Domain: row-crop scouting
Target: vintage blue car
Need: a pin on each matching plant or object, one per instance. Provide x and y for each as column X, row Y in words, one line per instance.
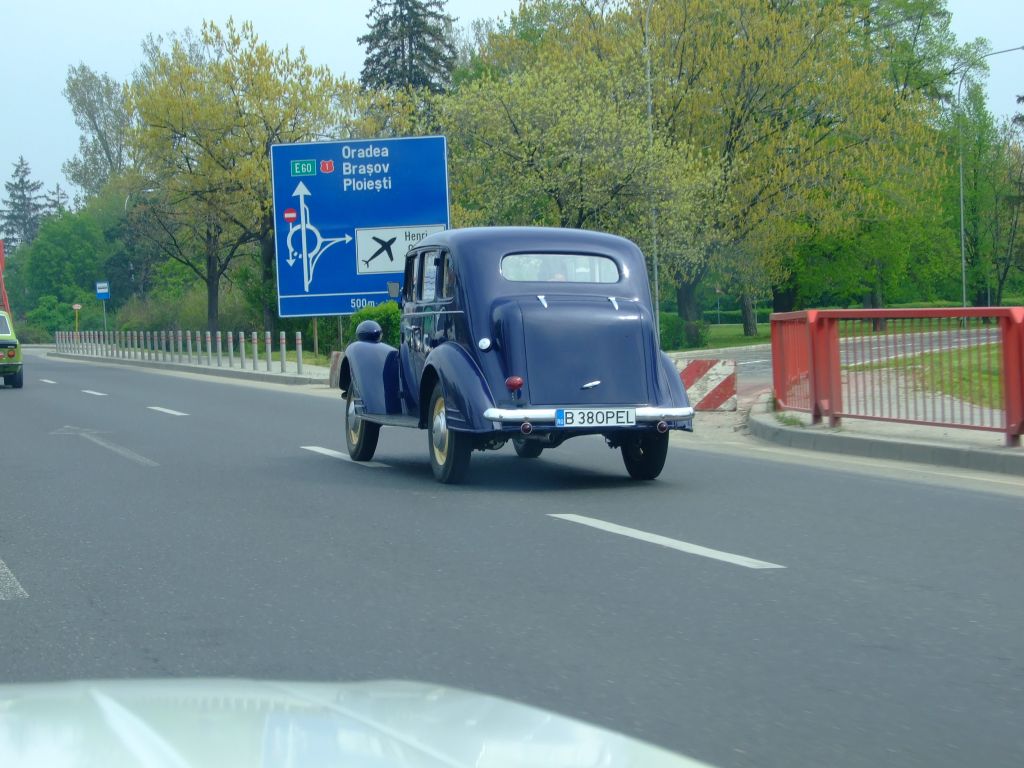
column 526, row 334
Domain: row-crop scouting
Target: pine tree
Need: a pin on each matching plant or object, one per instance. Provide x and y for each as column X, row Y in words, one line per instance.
column 55, row 201
column 22, row 208
column 410, row 45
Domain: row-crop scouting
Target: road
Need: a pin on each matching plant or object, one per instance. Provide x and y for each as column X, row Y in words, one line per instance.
column 881, row 623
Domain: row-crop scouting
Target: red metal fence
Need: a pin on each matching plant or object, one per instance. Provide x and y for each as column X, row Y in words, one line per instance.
column 945, row 367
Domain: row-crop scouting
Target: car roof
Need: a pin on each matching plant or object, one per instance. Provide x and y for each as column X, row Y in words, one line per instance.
column 502, row 240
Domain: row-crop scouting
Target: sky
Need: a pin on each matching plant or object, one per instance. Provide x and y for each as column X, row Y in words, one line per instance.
column 42, row 38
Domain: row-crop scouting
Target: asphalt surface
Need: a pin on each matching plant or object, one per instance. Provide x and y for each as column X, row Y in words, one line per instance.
column 141, row 543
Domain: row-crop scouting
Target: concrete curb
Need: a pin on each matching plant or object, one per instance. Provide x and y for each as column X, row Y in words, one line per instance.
column 764, row 426
column 719, row 351
column 230, row 373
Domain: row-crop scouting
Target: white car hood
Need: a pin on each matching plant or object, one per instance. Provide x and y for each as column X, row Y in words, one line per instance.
column 210, row 722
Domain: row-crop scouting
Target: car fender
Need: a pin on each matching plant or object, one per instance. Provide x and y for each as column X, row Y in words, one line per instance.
column 466, row 393
column 673, row 393
column 374, row 369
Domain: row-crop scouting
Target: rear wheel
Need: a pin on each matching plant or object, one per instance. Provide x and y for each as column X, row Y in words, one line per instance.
column 645, row 456
column 527, row 449
column 449, row 450
column 360, row 435
column 16, row 380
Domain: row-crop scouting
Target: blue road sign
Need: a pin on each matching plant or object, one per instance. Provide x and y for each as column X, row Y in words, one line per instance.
column 103, row 291
column 345, row 215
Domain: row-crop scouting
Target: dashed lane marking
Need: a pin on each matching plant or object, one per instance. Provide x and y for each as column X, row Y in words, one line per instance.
column 665, row 541
column 168, row 411
column 342, row 456
column 48, row 381
column 10, row 589
column 93, row 392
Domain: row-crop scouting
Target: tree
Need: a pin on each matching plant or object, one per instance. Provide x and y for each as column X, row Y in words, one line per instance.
column 55, row 201
column 208, row 108
column 22, row 208
column 97, row 103
column 410, row 45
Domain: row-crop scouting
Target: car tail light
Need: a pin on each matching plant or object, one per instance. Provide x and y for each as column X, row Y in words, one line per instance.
column 514, row 383
column 10, row 352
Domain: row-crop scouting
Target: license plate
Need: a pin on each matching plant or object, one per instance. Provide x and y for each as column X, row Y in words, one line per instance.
column 595, row 417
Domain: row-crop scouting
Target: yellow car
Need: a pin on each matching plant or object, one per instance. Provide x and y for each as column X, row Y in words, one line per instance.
column 10, row 353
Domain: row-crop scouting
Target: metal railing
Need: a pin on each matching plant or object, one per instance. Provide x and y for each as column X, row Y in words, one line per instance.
column 959, row 368
column 177, row 346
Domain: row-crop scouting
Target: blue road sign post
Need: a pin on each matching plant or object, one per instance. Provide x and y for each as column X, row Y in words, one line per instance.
column 103, row 294
column 345, row 215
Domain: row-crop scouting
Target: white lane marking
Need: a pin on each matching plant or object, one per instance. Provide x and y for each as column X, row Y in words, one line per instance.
column 91, row 436
column 120, row 450
column 10, row 589
column 665, row 541
column 47, row 381
column 168, row 411
column 92, row 392
column 752, row 362
column 342, row 456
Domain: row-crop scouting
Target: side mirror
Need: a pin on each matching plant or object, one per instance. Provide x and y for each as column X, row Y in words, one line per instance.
column 369, row 330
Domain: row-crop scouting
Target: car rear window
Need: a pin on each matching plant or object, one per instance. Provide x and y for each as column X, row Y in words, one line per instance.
column 559, row 268
column 5, row 327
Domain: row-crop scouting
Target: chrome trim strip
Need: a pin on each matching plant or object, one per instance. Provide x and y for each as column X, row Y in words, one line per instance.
column 643, row 414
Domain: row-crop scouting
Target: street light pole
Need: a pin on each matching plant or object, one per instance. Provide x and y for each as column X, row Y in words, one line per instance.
column 650, row 145
column 960, row 149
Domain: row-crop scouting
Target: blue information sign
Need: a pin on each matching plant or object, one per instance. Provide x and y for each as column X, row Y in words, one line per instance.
column 103, row 291
column 345, row 215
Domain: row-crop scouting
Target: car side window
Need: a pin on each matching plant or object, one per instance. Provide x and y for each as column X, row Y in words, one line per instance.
column 447, row 278
column 428, row 275
column 411, row 274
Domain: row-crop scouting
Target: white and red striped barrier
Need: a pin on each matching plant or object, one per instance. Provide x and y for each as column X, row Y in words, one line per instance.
column 710, row 384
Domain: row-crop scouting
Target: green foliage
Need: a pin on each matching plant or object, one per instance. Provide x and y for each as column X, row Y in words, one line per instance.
column 34, row 334
column 22, row 207
column 387, row 314
column 186, row 310
column 97, row 102
column 67, row 258
column 409, row 45
column 671, row 327
column 695, row 334
column 51, row 315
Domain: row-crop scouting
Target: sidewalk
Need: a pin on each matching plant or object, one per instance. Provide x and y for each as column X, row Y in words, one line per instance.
column 937, row 446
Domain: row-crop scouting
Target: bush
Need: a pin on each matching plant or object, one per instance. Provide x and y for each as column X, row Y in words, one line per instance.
column 387, row 314
column 696, row 334
column 32, row 334
column 671, row 331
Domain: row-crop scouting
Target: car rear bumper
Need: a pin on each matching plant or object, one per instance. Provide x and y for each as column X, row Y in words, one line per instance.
column 644, row 415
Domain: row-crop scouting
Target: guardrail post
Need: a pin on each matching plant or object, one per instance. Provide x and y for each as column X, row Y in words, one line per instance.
column 241, row 350
column 298, row 352
column 231, row 349
column 255, row 350
column 219, row 351
column 188, row 345
column 268, row 346
column 209, row 349
column 1013, row 373
column 282, row 344
column 825, row 373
